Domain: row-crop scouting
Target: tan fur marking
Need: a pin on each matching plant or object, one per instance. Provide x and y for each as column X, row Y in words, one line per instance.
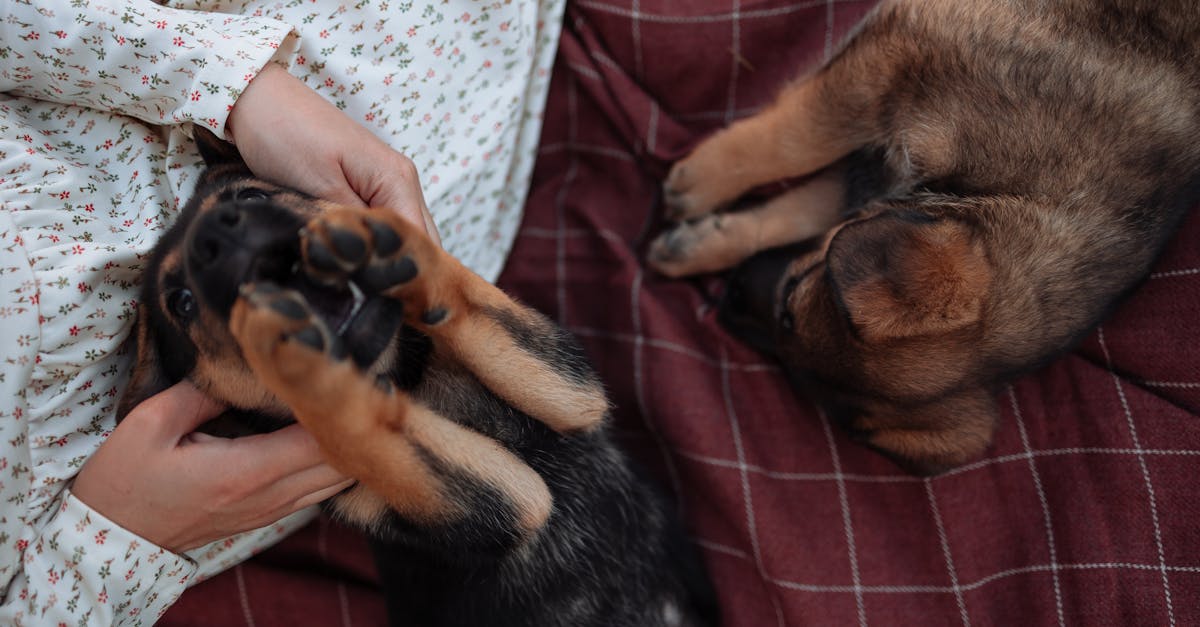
column 523, row 380
column 360, row 505
column 489, row 352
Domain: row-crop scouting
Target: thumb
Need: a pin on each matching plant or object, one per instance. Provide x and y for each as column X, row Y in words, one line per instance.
column 177, row 411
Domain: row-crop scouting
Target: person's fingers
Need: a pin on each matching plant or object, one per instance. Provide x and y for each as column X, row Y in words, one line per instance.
column 322, row 494
column 392, row 182
column 305, row 487
column 270, row 456
column 175, row 412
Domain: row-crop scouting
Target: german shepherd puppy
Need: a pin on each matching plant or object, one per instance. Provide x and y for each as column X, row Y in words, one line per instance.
column 985, row 178
column 475, row 428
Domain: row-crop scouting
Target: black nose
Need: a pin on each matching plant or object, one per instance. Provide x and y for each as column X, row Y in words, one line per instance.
column 218, row 230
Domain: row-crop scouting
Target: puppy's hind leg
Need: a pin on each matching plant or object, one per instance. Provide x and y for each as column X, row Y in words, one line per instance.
column 720, row 241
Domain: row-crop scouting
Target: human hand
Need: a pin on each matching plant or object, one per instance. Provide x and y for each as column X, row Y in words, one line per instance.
column 180, row 490
column 289, row 134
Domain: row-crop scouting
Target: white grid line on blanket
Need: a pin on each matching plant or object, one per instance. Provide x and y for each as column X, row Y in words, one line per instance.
column 1175, row 273
column 640, row 394
column 670, row 346
column 705, row 19
column 736, row 49
column 615, row 153
column 1003, row 459
column 1170, row 384
column 715, row 115
column 946, row 553
column 560, row 203
column 553, row 234
column 747, row 496
column 847, row 525
column 1137, row 444
column 1041, row 493
column 717, row 547
column 604, row 59
column 243, row 596
column 585, row 71
column 922, row 589
column 636, row 35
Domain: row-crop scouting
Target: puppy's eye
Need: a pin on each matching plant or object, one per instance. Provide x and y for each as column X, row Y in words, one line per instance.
column 182, row 304
column 787, row 321
column 252, row 193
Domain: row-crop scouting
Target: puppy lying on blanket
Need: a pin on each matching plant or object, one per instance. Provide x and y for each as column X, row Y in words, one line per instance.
column 985, row 178
column 474, row 426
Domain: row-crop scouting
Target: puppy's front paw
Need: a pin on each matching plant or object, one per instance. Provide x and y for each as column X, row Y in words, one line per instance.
column 280, row 336
column 697, row 247
column 383, row 254
column 683, row 194
column 702, row 183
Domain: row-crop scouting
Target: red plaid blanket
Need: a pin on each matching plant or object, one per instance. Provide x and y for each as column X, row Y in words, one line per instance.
column 1084, row 511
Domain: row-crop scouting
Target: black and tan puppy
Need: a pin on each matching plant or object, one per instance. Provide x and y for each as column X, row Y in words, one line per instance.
column 476, row 430
column 985, row 179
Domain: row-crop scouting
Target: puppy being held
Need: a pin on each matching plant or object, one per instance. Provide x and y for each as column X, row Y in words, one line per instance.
column 491, row 488
column 984, row 179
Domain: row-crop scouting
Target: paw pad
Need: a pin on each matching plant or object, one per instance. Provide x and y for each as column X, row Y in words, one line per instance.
column 387, row 273
column 349, row 246
column 310, row 337
column 288, row 307
column 387, row 241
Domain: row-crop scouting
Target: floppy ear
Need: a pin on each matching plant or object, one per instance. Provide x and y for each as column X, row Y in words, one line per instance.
column 901, row 275
column 149, row 376
column 216, row 151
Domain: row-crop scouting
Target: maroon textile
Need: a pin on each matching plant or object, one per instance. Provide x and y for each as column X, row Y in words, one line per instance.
column 1084, row 511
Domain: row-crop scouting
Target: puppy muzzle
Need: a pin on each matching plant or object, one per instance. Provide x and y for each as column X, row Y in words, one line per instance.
column 749, row 308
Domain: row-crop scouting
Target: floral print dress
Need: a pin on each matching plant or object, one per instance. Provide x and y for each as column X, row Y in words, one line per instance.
column 95, row 160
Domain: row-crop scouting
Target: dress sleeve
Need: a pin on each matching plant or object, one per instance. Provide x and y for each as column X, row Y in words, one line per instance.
column 157, row 64
column 83, row 569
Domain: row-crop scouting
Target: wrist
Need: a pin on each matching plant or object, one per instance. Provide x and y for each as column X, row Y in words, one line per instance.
column 267, row 82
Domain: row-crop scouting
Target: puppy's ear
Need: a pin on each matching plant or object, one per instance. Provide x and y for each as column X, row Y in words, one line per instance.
column 900, row 275
column 216, row 151
column 149, row 376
